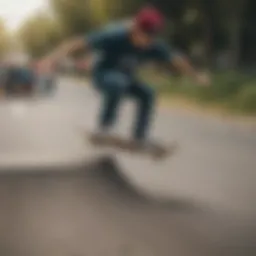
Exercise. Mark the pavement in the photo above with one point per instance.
(61, 196)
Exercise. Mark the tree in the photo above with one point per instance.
(39, 34)
(232, 20)
(80, 16)
(75, 16)
(4, 39)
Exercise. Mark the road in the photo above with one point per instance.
(71, 199)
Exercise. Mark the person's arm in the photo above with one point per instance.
(64, 50)
(180, 63)
(183, 65)
(99, 40)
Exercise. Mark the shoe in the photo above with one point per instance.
(102, 132)
(146, 143)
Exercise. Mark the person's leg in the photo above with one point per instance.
(112, 85)
(145, 97)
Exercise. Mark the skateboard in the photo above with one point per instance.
(155, 150)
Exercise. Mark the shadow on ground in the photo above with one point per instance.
(92, 209)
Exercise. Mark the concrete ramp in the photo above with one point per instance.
(99, 172)
(89, 209)
(92, 209)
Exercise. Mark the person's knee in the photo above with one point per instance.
(116, 83)
(149, 96)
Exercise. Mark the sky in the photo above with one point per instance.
(15, 11)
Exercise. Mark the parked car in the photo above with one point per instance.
(18, 80)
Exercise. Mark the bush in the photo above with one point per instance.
(226, 85)
(246, 98)
(233, 90)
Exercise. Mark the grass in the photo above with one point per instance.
(230, 93)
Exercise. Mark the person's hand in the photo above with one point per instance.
(45, 66)
(203, 79)
(82, 65)
(85, 64)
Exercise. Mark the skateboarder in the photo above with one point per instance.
(121, 50)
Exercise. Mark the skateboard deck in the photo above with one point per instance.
(155, 150)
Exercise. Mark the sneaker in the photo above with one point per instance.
(102, 132)
(146, 143)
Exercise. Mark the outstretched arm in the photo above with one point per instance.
(180, 63)
(99, 40)
(183, 65)
(64, 50)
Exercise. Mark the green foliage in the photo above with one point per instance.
(80, 16)
(4, 39)
(228, 84)
(246, 98)
(39, 34)
(73, 15)
(231, 90)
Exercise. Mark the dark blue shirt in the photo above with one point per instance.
(116, 50)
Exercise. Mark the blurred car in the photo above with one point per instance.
(17, 80)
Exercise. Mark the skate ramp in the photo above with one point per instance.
(93, 208)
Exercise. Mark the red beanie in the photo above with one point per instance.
(150, 20)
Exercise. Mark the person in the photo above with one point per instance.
(122, 49)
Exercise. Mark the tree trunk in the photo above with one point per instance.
(235, 43)
(235, 21)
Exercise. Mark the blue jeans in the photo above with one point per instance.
(114, 86)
